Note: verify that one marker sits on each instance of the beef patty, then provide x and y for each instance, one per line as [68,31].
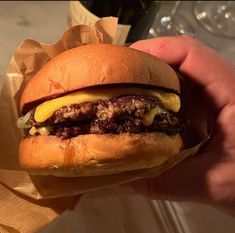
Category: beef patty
[117,115]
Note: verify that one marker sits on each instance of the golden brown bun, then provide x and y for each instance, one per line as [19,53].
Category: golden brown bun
[98,64]
[92,155]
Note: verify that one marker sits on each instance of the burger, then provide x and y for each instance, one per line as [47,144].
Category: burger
[100,109]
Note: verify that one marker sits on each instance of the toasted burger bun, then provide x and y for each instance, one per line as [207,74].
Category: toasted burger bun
[98,64]
[92,155]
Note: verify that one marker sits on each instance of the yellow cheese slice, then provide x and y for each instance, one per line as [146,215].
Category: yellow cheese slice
[149,116]
[42,131]
[45,110]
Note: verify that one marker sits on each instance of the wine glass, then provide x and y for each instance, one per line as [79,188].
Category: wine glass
[217,17]
[171,23]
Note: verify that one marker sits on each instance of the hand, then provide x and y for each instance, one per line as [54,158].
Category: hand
[210,176]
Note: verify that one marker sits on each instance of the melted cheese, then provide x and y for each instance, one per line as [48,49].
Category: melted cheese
[45,110]
[149,116]
[42,131]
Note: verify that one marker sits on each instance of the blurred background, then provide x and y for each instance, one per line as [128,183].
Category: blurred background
[212,22]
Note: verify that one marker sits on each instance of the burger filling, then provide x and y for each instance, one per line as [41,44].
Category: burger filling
[111,113]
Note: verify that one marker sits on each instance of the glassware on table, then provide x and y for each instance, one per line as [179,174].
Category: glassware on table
[217,16]
[135,17]
[171,24]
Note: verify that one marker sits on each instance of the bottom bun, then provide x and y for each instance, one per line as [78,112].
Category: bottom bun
[92,154]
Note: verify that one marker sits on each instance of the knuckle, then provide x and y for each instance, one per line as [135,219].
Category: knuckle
[219,190]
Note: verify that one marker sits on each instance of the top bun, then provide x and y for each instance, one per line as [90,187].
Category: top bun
[97,64]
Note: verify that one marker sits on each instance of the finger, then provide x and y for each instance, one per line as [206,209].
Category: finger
[196,61]
[185,182]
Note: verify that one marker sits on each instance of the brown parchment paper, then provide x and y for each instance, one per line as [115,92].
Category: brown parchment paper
[46,197]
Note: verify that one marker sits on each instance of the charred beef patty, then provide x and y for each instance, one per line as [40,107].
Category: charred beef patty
[117,115]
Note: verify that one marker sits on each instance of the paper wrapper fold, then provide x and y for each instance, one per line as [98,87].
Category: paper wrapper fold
[22,191]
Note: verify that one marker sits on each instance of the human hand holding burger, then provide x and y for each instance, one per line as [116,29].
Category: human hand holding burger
[208,177]
[97,111]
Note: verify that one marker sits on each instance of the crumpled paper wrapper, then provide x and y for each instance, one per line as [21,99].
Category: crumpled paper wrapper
[30,202]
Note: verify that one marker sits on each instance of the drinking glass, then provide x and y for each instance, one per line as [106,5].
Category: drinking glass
[217,17]
[171,23]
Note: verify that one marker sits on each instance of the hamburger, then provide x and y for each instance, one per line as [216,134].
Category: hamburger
[100,109]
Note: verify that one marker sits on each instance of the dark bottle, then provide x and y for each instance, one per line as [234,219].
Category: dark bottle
[139,14]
